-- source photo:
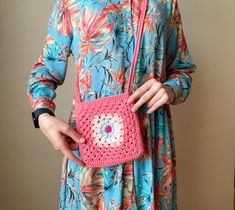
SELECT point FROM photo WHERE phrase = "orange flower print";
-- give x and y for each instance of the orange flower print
(63, 11)
(94, 31)
(84, 78)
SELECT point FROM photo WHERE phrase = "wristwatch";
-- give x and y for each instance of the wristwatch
(36, 114)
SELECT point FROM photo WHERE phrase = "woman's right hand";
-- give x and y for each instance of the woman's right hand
(60, 133)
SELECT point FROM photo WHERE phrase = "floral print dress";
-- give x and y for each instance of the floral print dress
(101, 35)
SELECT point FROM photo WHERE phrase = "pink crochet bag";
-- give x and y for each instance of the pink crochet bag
(111, 130)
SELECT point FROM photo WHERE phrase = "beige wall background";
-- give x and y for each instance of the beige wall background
(204, 125)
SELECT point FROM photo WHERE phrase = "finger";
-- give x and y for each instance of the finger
(143, 99)
(156, 87)
(156, 97)
(69, 131)
(141, 90)
(66, 151)
(158, 104)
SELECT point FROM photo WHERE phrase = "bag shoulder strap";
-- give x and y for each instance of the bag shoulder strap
(137, 46)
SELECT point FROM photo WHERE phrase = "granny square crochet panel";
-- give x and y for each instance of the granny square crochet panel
(112, 132)
(107, 130)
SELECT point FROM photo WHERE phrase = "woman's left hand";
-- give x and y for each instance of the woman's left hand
(154, 93)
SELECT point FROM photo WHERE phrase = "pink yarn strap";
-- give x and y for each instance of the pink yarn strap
(135, 55)
(137, 46)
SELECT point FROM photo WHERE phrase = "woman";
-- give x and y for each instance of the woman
(101, 37)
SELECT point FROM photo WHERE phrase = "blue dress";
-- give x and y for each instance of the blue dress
(100, 35)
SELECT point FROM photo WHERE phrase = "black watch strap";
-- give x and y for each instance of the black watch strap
(39, 111)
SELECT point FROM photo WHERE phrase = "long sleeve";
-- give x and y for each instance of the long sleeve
(49, 71)
(179, 64)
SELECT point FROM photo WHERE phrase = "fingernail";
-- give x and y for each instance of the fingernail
(77, 137)
(82, 139)
(132, 109)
